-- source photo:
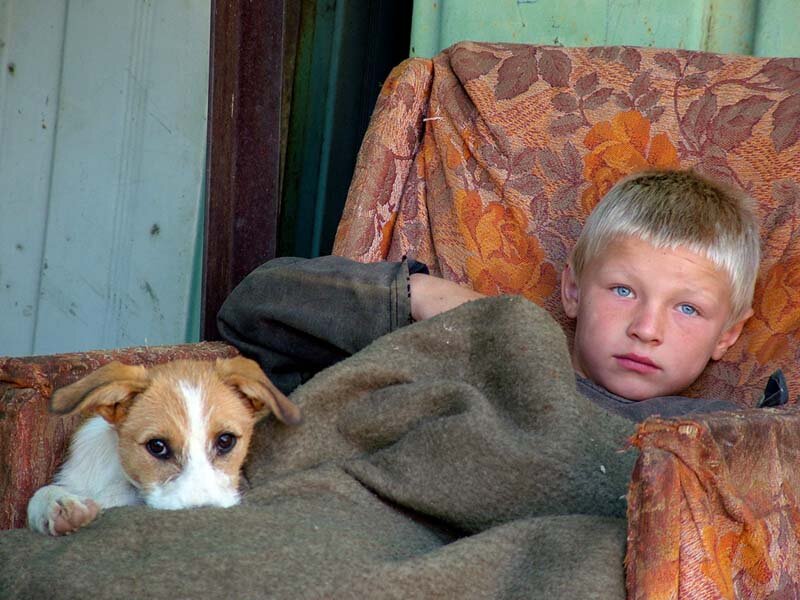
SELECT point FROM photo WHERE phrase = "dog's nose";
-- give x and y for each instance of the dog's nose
(199, 484)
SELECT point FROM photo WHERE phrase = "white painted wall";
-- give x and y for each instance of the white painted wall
(103, 109)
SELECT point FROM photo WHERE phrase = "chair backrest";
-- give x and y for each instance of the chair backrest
(484, 162)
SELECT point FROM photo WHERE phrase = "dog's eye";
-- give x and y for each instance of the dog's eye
(225, 443)
(158, 448)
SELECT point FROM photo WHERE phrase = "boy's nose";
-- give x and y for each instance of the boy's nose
(647, 325)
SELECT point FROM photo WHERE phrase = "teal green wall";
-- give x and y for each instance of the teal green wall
(759, 27)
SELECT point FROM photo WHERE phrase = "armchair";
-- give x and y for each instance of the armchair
(483, 163)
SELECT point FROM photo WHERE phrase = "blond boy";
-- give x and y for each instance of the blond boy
(660, 282)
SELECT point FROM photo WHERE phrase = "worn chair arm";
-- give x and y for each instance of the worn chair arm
(713, 505)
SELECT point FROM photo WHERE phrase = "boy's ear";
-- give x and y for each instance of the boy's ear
(570, 294)
(729, 336)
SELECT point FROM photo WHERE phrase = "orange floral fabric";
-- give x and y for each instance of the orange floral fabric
(501, 253)
(620, 147)
(713, 508)
(485, 161)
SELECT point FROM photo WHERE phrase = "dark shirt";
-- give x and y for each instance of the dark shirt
(639, 410)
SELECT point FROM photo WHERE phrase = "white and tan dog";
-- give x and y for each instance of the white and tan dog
(170, 436)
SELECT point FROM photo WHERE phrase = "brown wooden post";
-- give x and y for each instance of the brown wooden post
(243, 170)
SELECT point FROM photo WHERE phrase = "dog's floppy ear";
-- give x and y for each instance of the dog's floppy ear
(247, 378)
(108, 392)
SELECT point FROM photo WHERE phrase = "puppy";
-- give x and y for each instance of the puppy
(170, 436)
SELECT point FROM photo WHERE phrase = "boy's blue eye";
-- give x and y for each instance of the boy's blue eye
(622, 291)
(687, 309)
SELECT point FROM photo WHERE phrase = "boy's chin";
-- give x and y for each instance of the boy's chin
(632, 386)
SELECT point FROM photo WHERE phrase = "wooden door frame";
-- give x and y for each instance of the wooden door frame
(244, 147)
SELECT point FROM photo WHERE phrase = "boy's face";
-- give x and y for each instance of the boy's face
(648, 320)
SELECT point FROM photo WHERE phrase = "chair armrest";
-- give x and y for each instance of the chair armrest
(33, 441)
(713, 506)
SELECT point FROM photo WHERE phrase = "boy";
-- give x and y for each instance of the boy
(660, 282)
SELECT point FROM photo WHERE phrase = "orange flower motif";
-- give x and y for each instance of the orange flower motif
(777, 312)
(503, 257)
(620, 147)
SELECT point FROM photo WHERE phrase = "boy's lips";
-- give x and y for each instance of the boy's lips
(637, 363)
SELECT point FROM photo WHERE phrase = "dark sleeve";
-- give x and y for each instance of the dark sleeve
(296, 316)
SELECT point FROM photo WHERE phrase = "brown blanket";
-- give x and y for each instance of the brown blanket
(452, 458)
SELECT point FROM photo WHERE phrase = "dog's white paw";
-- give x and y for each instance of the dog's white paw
(55, 511)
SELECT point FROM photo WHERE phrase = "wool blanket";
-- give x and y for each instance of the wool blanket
(452, 458)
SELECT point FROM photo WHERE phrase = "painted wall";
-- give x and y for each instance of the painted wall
(759, 27)
(102, 148)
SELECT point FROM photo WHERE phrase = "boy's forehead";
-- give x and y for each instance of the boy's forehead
(680, 266)
(632, 248)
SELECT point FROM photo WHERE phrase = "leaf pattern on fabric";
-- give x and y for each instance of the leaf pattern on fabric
(471, 65)
(734, 123)
(631, 58)
(783, 73)
(669, 62)
(696, 120)
(516, 75)
(555, 67)
(786, 123)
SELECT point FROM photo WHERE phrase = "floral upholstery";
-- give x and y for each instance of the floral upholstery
(713, 508)
(484, 162)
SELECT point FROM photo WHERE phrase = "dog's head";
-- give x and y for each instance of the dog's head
(184, 427)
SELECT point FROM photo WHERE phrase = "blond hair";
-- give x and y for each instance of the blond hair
(669, 209)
